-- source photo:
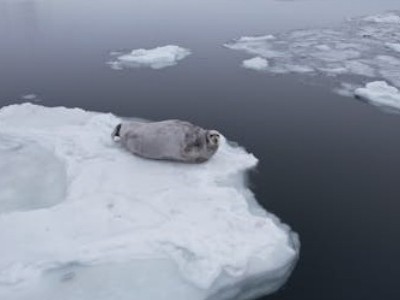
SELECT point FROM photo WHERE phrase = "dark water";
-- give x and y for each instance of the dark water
(329, 166)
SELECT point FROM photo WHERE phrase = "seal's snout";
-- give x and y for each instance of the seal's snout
(116, 133)
(213, 137)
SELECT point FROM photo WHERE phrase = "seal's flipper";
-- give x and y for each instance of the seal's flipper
(115, 134)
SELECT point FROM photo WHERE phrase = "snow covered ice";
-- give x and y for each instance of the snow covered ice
(355, 52)
(80, 218)
(157, 58)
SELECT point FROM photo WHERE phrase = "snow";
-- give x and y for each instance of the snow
(157, 58)
(256, 63)
(91, 221)
(354, 52)
(380, 93)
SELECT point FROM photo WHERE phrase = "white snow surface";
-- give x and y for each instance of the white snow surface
(156, 58)
(255, 63)
(380, 93)
(354, 52)
(81, 218)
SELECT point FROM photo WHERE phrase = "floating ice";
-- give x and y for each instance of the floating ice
(125, 227)
(381, 94)
(156, 58)
(367, 47)
(256, 63)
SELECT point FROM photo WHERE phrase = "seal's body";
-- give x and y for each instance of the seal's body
(168, 140)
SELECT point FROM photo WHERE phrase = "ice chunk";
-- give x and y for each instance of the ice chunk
(393, 46)
(363, 47)
(359, 68)
(139, 229)
(299, 69)
(256, 63)
(256, 38)
(157, 58)
(380, 94)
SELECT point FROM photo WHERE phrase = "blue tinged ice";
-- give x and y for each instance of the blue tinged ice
(82, 219)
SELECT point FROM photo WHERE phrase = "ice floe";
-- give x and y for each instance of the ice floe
(381, 94)
(156, 58)
(80, 218)
(256, 63)
(355, 52)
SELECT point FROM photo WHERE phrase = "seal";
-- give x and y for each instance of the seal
(172, 140)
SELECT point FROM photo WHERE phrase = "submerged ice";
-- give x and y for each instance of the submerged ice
(156, 58)
(80, 218)
(359, 50)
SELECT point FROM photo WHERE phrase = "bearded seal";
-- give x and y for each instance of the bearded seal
(173, 140)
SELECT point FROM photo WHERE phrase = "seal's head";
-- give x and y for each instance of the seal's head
(212, 138)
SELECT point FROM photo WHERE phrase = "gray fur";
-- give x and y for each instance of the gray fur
(168, 140)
